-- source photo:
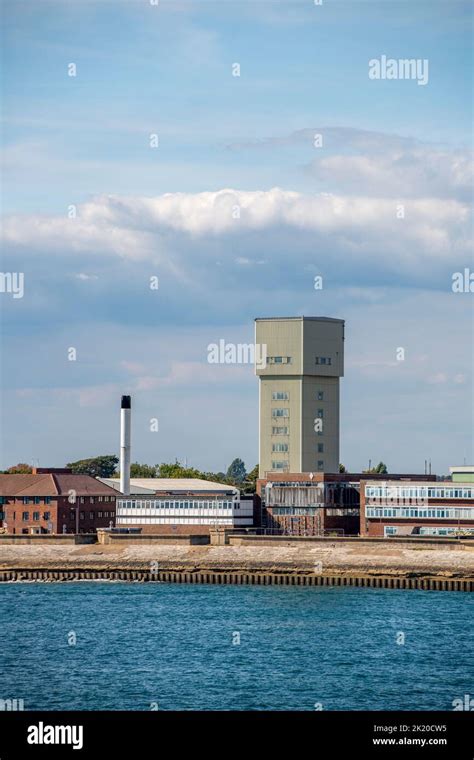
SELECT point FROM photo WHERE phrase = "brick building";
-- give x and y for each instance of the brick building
(315, 504)
(444, 508)
(55, 502)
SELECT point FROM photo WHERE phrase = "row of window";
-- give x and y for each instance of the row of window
(279, 360)
(418, 492)
(284, 447)
(284, 465)
(47, 499)
(390, 530)
(35, 500)
(280, 430)
(424, 512)
(320, 360)
(285, 396)
(25, 516)
(93, 499)
(155, 503)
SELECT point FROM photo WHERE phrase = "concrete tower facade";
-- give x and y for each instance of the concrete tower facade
(299, 393)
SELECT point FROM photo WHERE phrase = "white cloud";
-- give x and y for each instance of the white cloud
(181, 229)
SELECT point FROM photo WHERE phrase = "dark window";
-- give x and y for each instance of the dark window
(25, 516)
(36, 515)
(47, 515)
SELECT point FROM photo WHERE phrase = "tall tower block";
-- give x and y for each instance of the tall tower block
(299, 393)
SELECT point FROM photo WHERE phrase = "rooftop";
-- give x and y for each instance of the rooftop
(51, 484)
(289, 319)
(154, 485)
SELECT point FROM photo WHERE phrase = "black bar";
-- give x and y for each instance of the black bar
(136, 734)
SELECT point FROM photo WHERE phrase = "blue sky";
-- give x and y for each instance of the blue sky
(167, 211)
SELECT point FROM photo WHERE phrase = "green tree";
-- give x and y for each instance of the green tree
(342, 468)
(103, 467)
(142, 470)
(19, 469)
(380, 469)
(176, 470)
(236, 472)
(250, 483)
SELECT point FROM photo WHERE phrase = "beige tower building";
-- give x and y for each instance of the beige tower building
(299, 393)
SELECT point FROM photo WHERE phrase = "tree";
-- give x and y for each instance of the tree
(342, 468)
(250, 483)
(176, 470)
(380, 469)
(142, 470)
(236, 471)
(98, 467)
(20, 469)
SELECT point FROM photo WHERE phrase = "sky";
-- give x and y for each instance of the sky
(231, 152)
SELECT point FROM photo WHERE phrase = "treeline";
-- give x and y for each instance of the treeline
(107, 467)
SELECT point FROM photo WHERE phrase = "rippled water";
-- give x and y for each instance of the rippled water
(139, 644)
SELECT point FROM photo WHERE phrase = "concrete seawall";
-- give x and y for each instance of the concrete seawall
(427, 565)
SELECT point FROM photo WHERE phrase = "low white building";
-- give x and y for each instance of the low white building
(180, 504)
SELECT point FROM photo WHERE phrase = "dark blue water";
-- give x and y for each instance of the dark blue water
(139, 644)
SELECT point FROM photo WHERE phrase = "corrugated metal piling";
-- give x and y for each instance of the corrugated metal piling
(248, 577)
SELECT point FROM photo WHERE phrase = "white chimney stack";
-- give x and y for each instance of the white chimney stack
(125, 430)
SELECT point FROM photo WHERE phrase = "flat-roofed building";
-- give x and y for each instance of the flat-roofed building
(391, 508)
(462, 474)
(181, 505)
(299, 393)
(316, 504)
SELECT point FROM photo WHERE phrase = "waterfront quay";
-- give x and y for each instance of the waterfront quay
(429, 564)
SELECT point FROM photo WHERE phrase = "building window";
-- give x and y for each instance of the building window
(280, 430)
(47, 515)
(320, 396)
(280, 396)
(320, 465)
(81, 500)
(320, 448)
(26, 499)
(280, 412)
(280, 447)
(323, 360)
(91, 499)
(47, 499)
(320, 414)
(100, 514)
(25, 516)
(82, 515)
(36, 515)
(279, 465)
(279, 360)
(36, 499)
(100, 498)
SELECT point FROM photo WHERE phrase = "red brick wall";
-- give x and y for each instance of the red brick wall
(376, 525)
(15, 508)
(89, 508)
